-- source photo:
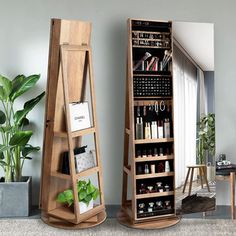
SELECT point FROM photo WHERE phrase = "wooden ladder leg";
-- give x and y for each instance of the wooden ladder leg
(96, 139)
(126, 143)
(191, 182)
(70, 141)
(200, 176)
(205, 177)
(232, 190)
(186, 180)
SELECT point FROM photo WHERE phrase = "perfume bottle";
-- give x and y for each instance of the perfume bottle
(166, 128)
(167, 166)
(154, 129)
(147, 131)
(146, 169)
(139, 128)
(160, 129)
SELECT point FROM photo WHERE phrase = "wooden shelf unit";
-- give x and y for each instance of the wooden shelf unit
(129, 214)
(69, 73)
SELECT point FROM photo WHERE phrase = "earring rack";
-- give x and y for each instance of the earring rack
(69, 72)
(148, 165)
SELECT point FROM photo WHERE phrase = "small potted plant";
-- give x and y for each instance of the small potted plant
(87, 193)
(15, 189)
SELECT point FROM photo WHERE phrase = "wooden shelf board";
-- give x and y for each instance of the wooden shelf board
(154, 158)
(156, 47)
(150, 195)
(150, 32)
(162, 222)
(75, 133)
(155, 40)
(152, 75)
(63, 224)
(78, 175)
(156, 175)
(87, 172)
(159, 140)
(155, 217)
(63, 213)
(153, 97)
(60, 175)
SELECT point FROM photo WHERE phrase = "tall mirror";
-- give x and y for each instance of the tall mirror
(194, 116)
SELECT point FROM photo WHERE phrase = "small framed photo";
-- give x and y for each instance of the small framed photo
(79, 116)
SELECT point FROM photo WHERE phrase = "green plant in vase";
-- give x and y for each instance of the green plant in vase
(87, 192)
(15, 149)
(206, 137)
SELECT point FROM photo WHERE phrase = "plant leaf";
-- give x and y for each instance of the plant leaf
(82, 195)
(61, 198)
(20, 138)
(3, 163)
(28, 106)
(24, 122)
(6, 84)
(2, 94)
(87, 199)
(5, 129)
(4, 148)
(2, 117)
(90, 189)
(95, 194)
(28, 158)
(26, 150)
(22, 84)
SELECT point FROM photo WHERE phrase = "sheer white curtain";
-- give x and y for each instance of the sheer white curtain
(185, 113)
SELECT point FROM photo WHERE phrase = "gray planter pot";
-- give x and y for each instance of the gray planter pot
(15, 198)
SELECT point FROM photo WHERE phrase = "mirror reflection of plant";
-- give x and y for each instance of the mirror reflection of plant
(15, 148)
(206, 137)
(86, 192)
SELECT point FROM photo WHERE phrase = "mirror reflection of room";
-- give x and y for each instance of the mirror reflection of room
(194, 116)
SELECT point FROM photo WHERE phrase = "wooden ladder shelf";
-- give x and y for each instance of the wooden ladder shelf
(69, 71)
(143, 32)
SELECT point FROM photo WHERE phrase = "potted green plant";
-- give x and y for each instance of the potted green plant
(87, 193)
(15, 148)
(206, 137)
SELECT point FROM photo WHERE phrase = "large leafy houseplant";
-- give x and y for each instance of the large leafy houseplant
(86, 192)
(206, 137)
(15, 149)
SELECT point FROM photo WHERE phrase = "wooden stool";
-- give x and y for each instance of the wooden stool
(202, 173)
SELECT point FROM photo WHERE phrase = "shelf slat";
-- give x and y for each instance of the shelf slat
(78, 175)
(154, 158)
(151, 75)
(75, 133)
(64, 213)
(150, 195)
(156, 47)
(154, 217)
(87, 172)
(156, 175)
(159, 140)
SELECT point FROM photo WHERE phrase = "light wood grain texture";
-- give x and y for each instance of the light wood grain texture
(232, 192)
(202, 175)
(158, 194)
(153, 158)
(69, 60)
(159, 140)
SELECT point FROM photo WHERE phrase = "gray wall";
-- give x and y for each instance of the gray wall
(210, 90)
(24, 40)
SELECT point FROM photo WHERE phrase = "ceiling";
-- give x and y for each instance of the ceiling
(198, 40)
